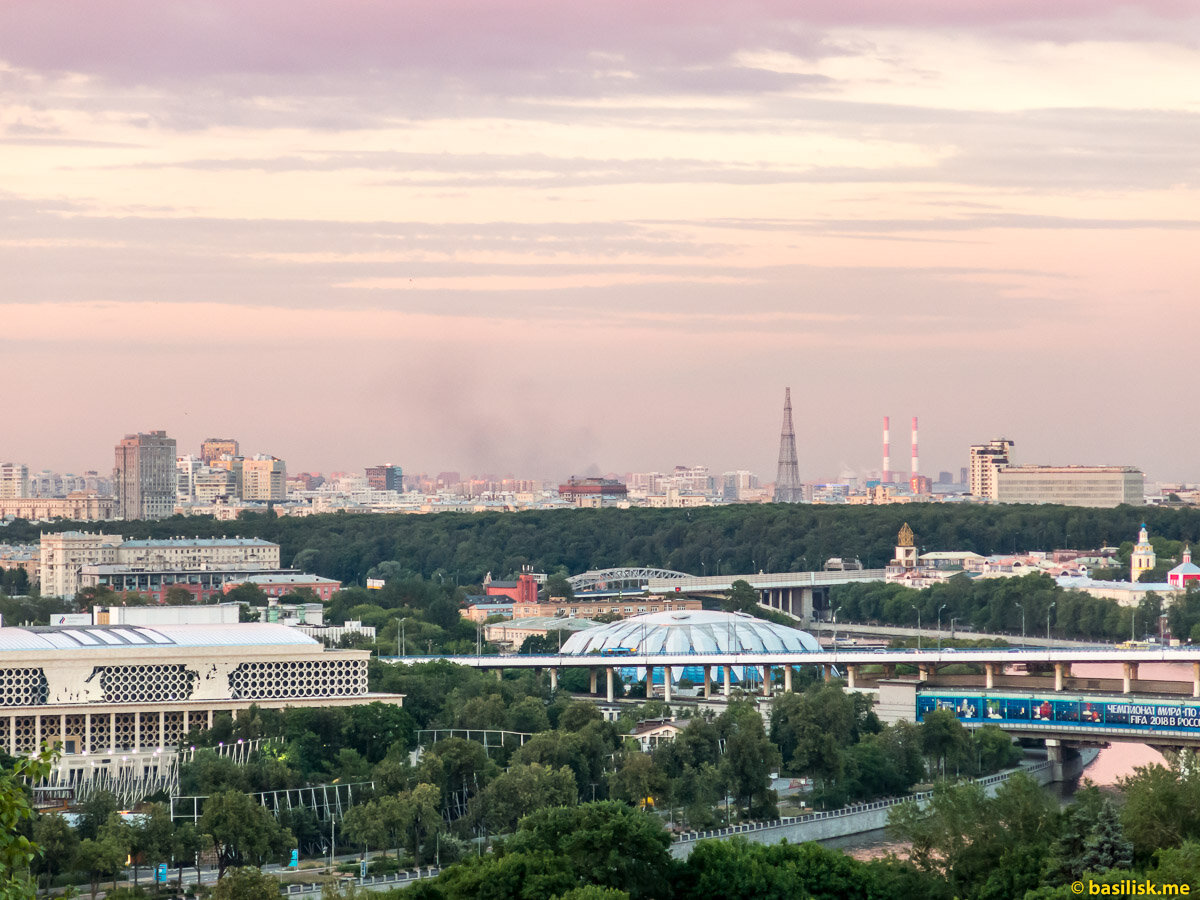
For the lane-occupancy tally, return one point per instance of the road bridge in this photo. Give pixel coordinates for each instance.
(856, 629)
(802, 595)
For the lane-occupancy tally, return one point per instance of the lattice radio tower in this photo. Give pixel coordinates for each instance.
(787, 478)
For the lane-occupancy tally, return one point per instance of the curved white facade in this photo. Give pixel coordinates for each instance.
(691, 631)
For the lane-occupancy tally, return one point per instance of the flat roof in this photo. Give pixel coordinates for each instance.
(105, 637)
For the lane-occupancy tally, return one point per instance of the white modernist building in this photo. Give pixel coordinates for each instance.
(124, 696)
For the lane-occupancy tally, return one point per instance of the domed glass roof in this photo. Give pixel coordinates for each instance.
(691, 631)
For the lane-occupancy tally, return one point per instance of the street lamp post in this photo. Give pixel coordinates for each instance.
(914, 606)
(1049, 609)
(940, 608)
(1022, 609)
(835, 614)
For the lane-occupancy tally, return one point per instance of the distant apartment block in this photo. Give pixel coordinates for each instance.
(1100, 486)
(385, 478)
(144, 478)
(215, 448)
(78, 506)
(592, 491)
(14, 481)
(202, 561)
(986, 459)
(578, 608)
(738, 485)
(264, 478)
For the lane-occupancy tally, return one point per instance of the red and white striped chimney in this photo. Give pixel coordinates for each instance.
(886, 476)
(916, 464)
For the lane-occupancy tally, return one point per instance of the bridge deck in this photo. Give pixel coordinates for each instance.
(1097, 654)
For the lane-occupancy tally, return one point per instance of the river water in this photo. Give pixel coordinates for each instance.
(1114, 762)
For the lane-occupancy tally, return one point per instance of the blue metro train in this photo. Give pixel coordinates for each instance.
(1095, 712)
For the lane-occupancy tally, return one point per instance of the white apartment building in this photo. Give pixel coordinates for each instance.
(986, 459)
(14, 481)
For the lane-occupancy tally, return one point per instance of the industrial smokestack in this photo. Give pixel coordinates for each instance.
(886, 477)
(916, 464)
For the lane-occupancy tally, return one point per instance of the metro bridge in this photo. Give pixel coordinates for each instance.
(994, 663)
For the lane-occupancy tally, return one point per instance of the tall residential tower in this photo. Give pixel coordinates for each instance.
(144, 476)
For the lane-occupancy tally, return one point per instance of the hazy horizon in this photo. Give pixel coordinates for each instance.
(541, 239)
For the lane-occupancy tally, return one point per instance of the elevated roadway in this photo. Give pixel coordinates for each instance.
(802, 595)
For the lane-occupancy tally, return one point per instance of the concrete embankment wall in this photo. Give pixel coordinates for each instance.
(855, 819)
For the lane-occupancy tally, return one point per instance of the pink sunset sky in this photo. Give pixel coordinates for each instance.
(548, 237)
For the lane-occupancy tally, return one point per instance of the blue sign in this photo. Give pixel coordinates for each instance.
(160, 873)
(362, 868)
(295, 860)
(1086, 712)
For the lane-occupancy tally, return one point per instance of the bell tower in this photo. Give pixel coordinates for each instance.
(1142, 559)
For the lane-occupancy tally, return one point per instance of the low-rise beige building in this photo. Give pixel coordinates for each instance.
(77, 506)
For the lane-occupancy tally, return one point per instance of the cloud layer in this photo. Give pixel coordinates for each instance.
(534, 237)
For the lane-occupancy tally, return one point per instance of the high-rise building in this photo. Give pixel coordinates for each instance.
(264, 478)
(144, 477)
(788, 488)
(385, 478)
(14, 481)
(215, 448)
(985, 460)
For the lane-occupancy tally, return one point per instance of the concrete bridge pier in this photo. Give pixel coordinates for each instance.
(1067, 761)
(787, 678)
(924, 672)
(1054, 753)
(1061, 672)
(667, 683)
(989, 675)
(592, 681)
(851, 677)
(766, 681)
(1196, 679)
(1130, 672)
(553, 678)
(725, 671)
(707, 683)
(609, 673)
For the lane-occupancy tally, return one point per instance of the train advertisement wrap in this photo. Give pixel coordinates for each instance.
(1078, 711)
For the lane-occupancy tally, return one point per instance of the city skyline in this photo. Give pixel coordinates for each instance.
(561, 239)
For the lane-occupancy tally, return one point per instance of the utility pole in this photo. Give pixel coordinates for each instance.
(914, 606)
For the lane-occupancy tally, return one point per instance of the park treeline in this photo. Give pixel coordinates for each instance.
(578, 811)
(734, 539)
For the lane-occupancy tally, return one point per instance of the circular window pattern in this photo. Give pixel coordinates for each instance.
(23, 687)
(299, 678)
(146, 683)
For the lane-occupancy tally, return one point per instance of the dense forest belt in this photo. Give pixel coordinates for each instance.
(725, 539)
